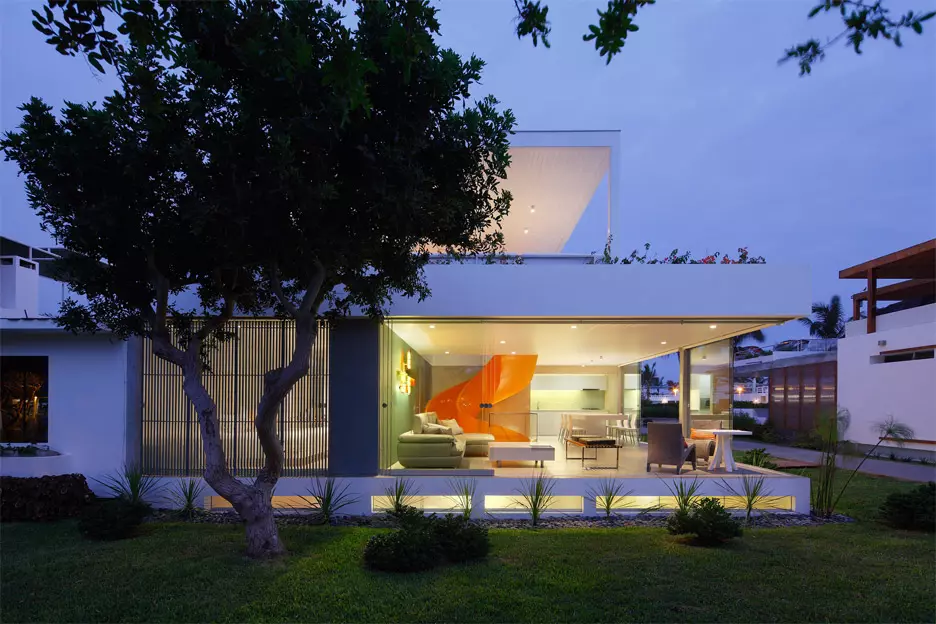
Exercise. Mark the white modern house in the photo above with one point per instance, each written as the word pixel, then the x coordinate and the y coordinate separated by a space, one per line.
pixel 526 364
pixel 885 362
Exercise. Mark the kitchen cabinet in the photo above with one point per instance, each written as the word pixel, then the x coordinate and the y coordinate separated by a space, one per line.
pixel 569 382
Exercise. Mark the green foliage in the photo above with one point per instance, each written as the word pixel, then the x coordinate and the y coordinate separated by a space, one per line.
pixel 753 490
pixel 743 421
pixel 329 497
pixel 403 551
pixel 132 485
pixel 186 496
pixel 830 429
pixel 674 257
pixel 862 20
pixel 463 493
pixel 111 519
pixel 399 495
pixel 707 519
pixel 685 492
pixel 38 499
pixel 828 319
pixel 536 495
pixel 914 510
pixel 606 495
pixel 421 542
pixel 758 457
pixel 460 539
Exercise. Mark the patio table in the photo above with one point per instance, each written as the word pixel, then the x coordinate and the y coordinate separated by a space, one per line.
pixel 723 453
pixel 594 442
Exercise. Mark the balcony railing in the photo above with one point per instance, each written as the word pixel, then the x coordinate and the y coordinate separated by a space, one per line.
pixel 787 348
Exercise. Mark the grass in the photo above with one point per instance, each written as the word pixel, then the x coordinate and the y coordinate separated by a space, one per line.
pixel 196 572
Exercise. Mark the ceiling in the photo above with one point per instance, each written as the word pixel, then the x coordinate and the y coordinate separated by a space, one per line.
pixel 551 187
pixel 557 344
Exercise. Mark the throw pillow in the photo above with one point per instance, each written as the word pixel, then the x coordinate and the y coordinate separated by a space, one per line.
pixel 700 435
pixel 453 425
pixel 436 429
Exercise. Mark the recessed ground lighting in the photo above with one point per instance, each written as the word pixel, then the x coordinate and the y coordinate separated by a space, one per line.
pixel 574 327
pixel 503 342
pixel 432 327
pixel 663 342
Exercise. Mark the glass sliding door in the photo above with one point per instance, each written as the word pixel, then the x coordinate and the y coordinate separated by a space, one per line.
pixel 710 388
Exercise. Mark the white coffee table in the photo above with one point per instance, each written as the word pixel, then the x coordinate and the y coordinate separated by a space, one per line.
pixel 521 451
pixel 723 453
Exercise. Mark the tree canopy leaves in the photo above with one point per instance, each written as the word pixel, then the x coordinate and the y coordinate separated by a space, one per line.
pixel 861 20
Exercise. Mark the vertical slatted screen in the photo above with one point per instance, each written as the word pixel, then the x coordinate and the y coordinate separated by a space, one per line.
pixel 171 436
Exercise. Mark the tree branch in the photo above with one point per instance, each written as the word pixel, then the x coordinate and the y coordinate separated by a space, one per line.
pixel 276 285
pixel 313 289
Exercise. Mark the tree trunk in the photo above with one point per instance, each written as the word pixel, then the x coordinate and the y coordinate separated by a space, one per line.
pixel 252 502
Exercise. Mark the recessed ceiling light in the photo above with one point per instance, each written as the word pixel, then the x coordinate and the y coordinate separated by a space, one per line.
pixel 532 208
pixel 712 326
pixel 513 353
pixel 573 327
pixel 663 342
pixel 446 353
pixel 503 342
pixel 432 327
pixel 583 366
pixel 526 230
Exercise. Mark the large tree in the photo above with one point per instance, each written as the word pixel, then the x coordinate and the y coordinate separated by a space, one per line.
pixel 259 155
pixel 860 20
pixel 828 319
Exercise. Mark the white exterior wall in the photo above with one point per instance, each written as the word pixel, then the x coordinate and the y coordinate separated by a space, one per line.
pixel 634 291
pixel 88 388
pixel 904 390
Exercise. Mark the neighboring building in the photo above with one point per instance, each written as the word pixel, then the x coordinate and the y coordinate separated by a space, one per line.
pixel 510 352
pixel 801 382
pixel 885 364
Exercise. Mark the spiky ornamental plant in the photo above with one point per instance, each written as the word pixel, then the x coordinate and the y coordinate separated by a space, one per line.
pixel 258 155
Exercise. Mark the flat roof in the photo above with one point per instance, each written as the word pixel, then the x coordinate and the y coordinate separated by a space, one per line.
pixel 914 262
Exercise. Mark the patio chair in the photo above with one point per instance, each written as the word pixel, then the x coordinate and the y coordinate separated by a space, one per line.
pixel 666 445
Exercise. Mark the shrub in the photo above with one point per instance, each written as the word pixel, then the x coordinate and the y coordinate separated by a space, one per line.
pixel 132 485
pixel 758 457
pixel 459 539
pixel 330 497
pixel 36 499
pixel 536 495
pixel 408 517
pixel 707 519
pixel 186 495
pixel 111 519
pixel 743 421
pixel 409 550
pixel 765 433
pixel 914 510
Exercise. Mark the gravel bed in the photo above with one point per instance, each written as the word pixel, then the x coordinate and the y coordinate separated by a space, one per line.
pixel 774 520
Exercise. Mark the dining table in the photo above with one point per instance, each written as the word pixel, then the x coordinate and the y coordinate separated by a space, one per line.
pixel 724 454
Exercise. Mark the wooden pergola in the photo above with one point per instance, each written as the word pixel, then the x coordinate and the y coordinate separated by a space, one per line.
pixel 915 265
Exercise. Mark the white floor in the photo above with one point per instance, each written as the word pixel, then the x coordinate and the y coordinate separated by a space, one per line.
pixel 632 463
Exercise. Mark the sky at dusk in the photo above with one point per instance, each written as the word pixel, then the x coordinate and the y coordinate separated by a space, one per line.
pixel 721 147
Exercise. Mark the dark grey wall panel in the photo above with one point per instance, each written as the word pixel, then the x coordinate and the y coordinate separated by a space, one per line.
pixel 354 431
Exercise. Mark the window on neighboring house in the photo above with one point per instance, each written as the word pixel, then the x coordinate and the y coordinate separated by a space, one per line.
pixel 24 398
pixel 903 356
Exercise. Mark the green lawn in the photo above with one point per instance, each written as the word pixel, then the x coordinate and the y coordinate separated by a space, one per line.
pixel 187 572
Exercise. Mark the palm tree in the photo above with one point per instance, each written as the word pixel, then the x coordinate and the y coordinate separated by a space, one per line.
pixel 754 336
pixel 648 379
pixel 828 320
